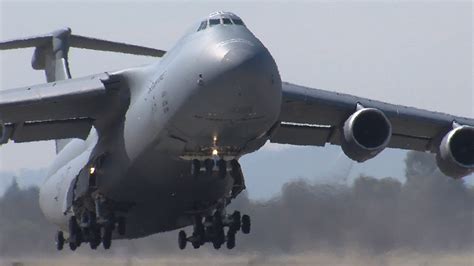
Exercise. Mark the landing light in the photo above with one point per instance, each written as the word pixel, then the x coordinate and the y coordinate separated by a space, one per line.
pixel 214 152
pixel 92 170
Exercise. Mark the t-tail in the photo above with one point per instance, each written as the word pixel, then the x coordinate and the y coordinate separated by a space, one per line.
pixel 51 54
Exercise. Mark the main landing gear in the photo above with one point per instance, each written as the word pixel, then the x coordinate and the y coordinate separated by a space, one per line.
pixel 93 227
pixel 212 229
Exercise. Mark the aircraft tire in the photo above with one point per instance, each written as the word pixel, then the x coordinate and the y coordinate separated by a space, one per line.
pixel 182 240
pixel 209 164
pixel 222 165
pixel 236 221
pixel 74 231
pixel 246 224
pixel 195 168
pixel 230 240
pixel 59 240
pixel 94 241
pixel 93 245
pixel 216 244
pixel 107 237
pixel 121 225
pixel 72 245
pixel 196 244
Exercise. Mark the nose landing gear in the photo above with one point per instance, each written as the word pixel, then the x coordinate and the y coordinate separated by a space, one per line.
pixel 213 167
pixel 220 167
pixel 216 229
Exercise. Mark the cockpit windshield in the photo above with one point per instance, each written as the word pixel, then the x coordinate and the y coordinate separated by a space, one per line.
pixel 221 18
pixel 238 21
pixel 203 25
pixel 213 22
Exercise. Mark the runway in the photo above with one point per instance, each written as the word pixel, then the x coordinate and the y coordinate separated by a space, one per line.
pixel 396 258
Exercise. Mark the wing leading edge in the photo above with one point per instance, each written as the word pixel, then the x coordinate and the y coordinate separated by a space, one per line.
pixel 56 110
pixel 316 117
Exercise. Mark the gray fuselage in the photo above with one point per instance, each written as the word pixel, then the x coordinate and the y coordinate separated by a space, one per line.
pixel 217 90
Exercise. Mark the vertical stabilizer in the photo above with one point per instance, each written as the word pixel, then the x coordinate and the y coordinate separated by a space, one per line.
pixel 52 57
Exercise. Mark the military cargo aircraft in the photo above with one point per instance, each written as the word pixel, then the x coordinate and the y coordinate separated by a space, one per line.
pixel 156 148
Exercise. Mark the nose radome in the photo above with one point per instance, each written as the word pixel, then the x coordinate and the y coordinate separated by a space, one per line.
pixel 241 55
pixel 237 55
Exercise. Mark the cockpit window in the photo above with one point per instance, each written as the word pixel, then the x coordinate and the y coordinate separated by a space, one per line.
pixel 223 18
pixel 203 25
pixel 238 21
pixel 213 22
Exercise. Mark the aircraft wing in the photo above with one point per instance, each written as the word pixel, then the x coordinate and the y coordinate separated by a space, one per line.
pixel 316 117
pixel 56 110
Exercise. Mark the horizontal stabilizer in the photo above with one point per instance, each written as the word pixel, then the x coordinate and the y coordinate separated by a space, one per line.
pixel 102 45
pixel 33 41
pixel 80 42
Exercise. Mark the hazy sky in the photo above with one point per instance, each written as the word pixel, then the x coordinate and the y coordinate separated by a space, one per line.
pixel 411 53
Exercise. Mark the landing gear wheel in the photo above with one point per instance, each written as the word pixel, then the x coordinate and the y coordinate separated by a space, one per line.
pixel 182 240
pixel 230 240
pixel 72 246
pixel 93 245
pixel 94 241
pixel 107 237
pixel 216 244
pixel 74 233
pixel 219 236
pixel 195 168
pixel 59 240
pixel 245 224
pixel 209 165
pixel 222 165
pixel 196 244
pixel 236 221
pixel 121 225
pixel 199 232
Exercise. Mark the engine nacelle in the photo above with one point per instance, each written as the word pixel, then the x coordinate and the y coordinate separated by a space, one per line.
pixel 365 134
pixel 455 157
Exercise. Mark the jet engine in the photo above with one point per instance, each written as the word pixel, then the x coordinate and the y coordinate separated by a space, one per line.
pixel 455 157
pixel 365 134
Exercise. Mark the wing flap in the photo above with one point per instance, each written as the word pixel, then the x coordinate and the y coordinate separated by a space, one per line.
pixel 53 101
pixel 58 110
pixel 407 142
pixel 48 130
pixel 302 134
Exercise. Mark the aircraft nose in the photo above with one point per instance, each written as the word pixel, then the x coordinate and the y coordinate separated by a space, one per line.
pixel 238 75
pixel 238 55
pixel 237 97
pixel 243 74
pixel 243 56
